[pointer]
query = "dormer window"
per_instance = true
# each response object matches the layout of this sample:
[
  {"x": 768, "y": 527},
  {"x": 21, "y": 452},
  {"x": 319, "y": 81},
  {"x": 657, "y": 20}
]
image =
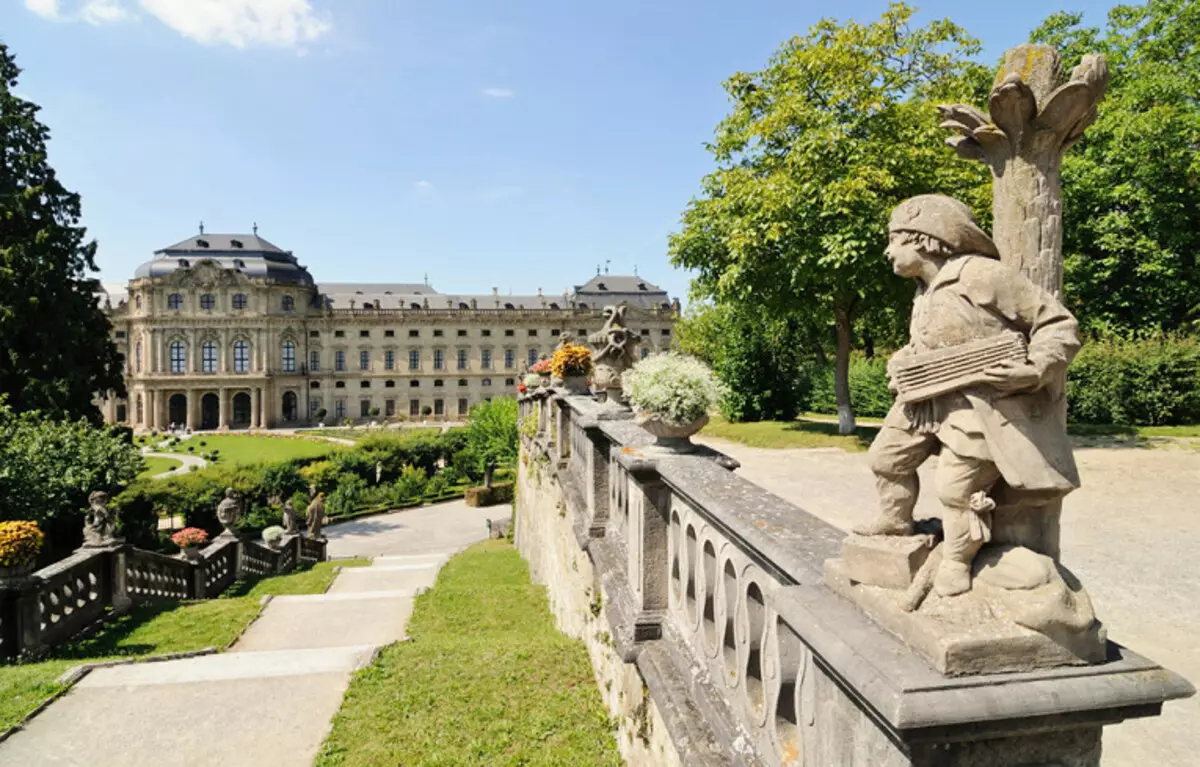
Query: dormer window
[
  {"x": 602, "y": 286},
  {"x": 208, "y": 302},
  {"x": 201, "y": 243},
  {"x": 461, "y": 305},
  {"x": 554, "y": 306},
  {"x": 239, "y": 301},
  {"x": 237, "y": 244},
  {"x": 509, "y": 306},
  {"x": 288, "y": 303},
  {"x": 239, "y": 263},
  {"x": 642, "y": 286},
  {"x": 175, "y": 301},
  {"x": 183, "y": 262},
  {"x": 414, "y": 305}
]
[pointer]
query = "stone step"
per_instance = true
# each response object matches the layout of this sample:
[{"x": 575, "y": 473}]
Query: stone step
[
  {"x": 391, "y": 560},
  {"x": 385, "y": 578},
  {"x": 224, "y": 667},
  {"x": 329, "y": 620}
]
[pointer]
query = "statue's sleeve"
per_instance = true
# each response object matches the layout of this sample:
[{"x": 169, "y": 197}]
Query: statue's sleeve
[{"x": 1051, "y": 329}]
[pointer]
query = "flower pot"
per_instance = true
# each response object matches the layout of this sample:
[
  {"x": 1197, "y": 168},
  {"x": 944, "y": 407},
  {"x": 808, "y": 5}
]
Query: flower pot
[
  {"x": 191, "y": 553},
  {"x": 273, "y": 543},
  {"x": 16, "y": 571},
  {"x": 668, "y": 435},
  {"x": 576, "y": 384}
]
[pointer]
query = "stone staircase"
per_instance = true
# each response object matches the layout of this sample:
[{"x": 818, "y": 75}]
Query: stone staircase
[{"x": 267, "y": 701}]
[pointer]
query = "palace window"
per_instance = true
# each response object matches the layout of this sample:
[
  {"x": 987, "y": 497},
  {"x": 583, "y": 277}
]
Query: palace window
[
  {"x": 137, "y": 302},
  {"x": 208, "y": 357},
  {"x": 462, "y": 382},
  {"x": 485, "y": 333},
  {"x": 486, "y": 382},
  {"x": 438, "y": 382},
  {"x": 241, "y": 356},
  {"x": 339, "y": 409},
  {"x": 533, "y": 357},
  {"x": 437, "y": 334},
  {"x": 463, "y": 405},
  {"x": 288, "y": 303},
  {"x": 510, "y": 382},
  {"x": 289, "y": 356},
  {"x": 364, "y": 360},
  {"x": 414, "y": 360},
  {"x": 314, "y": 404},
  {"x": 339, "y": 361},
  {"x": 509, "y": 333},
  {"x": 439, "y": 359},
  {"x": 413, "y": 384},
  {"x": 208, "y": 302},
  {"x": 439, "y": 407},
  {"x": 314, "y": 361},
  {"x": 239, "y": 301},
  {"x": 414, "y": 334},
  {"x": 389, "y": 360},
  {"x": 533, "y": 332},
  {"x": 462, "y": 359},
  {"x": 510, "y": 358},
  {"x": 389, "y": 334},
  {"x": 175, "y": 301},
  {"x": 137, "y": 360},
  {"x": 178, "y": 357},
  {"x": 485, "y": 359},
  {"x": 389, "y": 407},
  {"x": 414, "y": 407},
  {"x": 462, "y": 334},
  {"x": 645, "y": 352},
  {"x": 364, "y": 334}
]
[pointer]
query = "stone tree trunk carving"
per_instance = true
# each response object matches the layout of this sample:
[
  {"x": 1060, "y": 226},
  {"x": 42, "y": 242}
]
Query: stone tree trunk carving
[{"x": 1032, "y": 121}]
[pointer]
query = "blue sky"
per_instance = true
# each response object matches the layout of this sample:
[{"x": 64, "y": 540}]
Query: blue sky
[{"x": 514, "y": 145}]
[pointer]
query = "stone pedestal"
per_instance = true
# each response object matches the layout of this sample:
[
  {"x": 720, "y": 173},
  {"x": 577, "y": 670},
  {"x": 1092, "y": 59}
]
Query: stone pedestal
[{"x": 888, "y": 561}]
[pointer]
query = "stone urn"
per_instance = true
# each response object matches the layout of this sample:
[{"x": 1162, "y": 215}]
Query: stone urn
[
  {"x": 191, "y": 553},
  {"x": 576, "y": 384},
  {"x": 668, "y": 435}
]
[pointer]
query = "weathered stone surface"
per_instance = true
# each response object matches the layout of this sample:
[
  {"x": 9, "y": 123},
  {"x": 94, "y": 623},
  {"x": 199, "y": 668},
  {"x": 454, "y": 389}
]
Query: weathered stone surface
[{"x": 888, "y": 561}]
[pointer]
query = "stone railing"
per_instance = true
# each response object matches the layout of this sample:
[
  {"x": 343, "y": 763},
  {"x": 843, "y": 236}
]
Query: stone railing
[
  {"x": 56, "y": 603},
  {"x": 701, "y": 598}
]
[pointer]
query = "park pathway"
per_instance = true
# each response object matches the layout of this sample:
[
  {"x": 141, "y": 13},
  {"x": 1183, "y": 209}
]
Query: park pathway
[{"x": 269, "y": 699}]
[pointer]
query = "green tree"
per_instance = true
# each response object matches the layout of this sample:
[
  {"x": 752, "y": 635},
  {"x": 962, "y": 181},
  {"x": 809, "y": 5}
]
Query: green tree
[
  {"x": 492, "y": 433},
  {"x": 818, "y": 148},
  {"x": 49, "y": 466},
  {"x": 1131, "y": 188},
  {"x": 57, "y": 353}
]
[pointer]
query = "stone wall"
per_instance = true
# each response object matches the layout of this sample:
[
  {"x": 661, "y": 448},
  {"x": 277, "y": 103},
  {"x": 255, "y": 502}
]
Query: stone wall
[{"x": 702, "y": 601}]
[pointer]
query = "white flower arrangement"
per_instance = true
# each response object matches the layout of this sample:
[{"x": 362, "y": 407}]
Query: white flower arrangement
[
  {"x": 273, "y": 535},
  {"x": 677, "y": 388},
  {"x": 532, "y": 380}
]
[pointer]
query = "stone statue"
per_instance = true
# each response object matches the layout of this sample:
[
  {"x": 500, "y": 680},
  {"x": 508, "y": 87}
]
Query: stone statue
[
  {"x": 99, "y": 524},
  {"x": 316, "y": 516},
  {"x": 229, "y": 511},
  {"x": 980, "y": 385},
  {"x": 612, "y": 353},
  {"x": 290, "y": 522}
]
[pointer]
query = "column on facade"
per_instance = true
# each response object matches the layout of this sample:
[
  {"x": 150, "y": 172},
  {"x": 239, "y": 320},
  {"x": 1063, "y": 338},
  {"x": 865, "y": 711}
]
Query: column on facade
[
  {"x": 259, "y": 356},
  {"x": 254, "y": 406},
  {"x": 193, "y": 407},
  {"x": 223, "y": 409},
  {"x": 150, "y": 413},
  {"x": 152, "y": 352},
  {"x": 225, "y": 351},
  {"x": 269, "y": 405}
]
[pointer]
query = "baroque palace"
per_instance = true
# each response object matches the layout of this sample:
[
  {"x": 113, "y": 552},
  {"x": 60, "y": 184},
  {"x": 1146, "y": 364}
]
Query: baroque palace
[{"x": 229, "y": 331}]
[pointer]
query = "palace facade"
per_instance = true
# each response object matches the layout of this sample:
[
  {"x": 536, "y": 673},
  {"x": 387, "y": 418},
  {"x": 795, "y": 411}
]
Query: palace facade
[{"x": 224, "y": 331}]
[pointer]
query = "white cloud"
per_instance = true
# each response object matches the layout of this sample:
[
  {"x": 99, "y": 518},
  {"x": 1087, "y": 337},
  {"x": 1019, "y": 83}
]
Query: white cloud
[
  {"x": 499, "y": 93},
  {"x": 423, "y": 185},
  {"x": 241, "y": 23},
  {"x": 238, "y": 23},
  {"x": 47, "y": 9},
  {"x": 97, "y": 12}
]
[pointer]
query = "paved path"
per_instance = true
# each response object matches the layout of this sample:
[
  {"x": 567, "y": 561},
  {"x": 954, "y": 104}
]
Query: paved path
[
  {"x": 187, "y": 461},
  {"x": 268, "y": 701},
  {"x": 1131, "y": 534}
]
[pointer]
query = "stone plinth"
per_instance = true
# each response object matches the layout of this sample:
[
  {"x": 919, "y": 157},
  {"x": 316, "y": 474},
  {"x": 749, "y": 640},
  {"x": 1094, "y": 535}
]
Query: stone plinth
[{"x": 888, "y": 561}]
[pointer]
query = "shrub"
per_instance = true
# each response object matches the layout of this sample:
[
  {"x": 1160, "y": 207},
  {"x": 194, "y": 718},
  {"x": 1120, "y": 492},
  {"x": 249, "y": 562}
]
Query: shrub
[
  {"x": 203, "y": 443},
  {"x": 437, "y": 485},
  {"x": 137, "y": 514},
  {"x": 426, "y": 410},
  {"x": 349, "y": 493},
  {"x": 1153, "y": 381},
  {"x": 189, "y": 537},
  {"x": 491, "y": 438},
  {"x": 868, "y": 387},
  {"x": 499, "y": 492},
  {"x": 320, "y": 474},
  {"x": 571, "y": 360},
  {"x": 373, "y": 412},
  {"x": 191, "y": 448},
  {"x": 677, "y": 388},
  {"x": 412, "y": 482},
  {"x": 20, "y": 542},
  {"x": 321, "y": 413},
  {"x": 281, "y": 480}
]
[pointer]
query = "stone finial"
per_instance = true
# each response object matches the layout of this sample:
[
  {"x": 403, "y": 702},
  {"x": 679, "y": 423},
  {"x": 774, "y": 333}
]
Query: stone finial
[
  {"x": 229, "y": 512},
  {"x": 99, "y": 524},
  {"x": 612, "y": 353}
]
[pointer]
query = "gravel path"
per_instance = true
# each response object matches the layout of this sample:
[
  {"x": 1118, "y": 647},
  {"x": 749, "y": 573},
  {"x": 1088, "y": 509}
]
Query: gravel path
[{"x": 1131, "y": 534}]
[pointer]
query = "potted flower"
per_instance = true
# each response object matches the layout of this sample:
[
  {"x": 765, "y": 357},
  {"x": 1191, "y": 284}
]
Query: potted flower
[
  {"x": 572, "y": 363},
  {"x": 20, "y": 542},
  {"x": 541, "y": 369},
  {"x": 522, "y": 388},
  {"x": 273, "y": 536},
  {"x": 531, "y": 381},
  {"x": 671, "y": 394},
  {"x": 189, "y": 540}
]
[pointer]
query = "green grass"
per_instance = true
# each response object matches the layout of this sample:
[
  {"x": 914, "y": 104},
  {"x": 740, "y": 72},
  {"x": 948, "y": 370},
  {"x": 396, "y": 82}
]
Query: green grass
[
  {"x": 801, "y": 433},
  {"x": 354, "y": 435},
  {"x": 246, "y": 449},
  {"x": 155, "y": 628},
  {"x": 486, "y": 679},
  {"x": 156, "y": 466}
]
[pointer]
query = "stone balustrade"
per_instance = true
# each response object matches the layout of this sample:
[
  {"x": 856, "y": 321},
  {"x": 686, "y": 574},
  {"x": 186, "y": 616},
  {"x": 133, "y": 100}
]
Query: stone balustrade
[
  {"x": 57, "y": 603},
  {"x": 702, "y": 601}
]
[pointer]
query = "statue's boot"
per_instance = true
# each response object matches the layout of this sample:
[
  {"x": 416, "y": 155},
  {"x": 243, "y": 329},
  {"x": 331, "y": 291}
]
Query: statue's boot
[
  {"x": 952, "y": 578},
  {"x": 885, "y": 524},
  {"x": 959, "y": 548}
]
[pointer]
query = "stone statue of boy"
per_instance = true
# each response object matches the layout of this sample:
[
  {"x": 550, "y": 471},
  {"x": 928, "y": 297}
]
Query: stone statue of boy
[
  {"x": 99, "y": 524},
  {"x": 612, "y": 352},
  {"x": 1002, "y": 442},
  {"x": 316, "y": 516},
  {"x": 229, "y": 511}
]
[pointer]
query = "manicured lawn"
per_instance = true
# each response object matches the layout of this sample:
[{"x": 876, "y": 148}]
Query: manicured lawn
[
  {"x": 156, "y": 466},
  {"x": 801, "y": 433},
  {"x": 155, "y": 629},
  {"x": 355, "y": 435},
  {"x": 245, "y": 448},
  {"x": 486, "y": 679}
]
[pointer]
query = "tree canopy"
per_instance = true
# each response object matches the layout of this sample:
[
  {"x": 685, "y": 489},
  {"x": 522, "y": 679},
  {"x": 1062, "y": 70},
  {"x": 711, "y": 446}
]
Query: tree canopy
[
  {"x": 1131, "y": 187},
  {"x": 56, "y": 351},
  {"x": 816, "y": 151}
]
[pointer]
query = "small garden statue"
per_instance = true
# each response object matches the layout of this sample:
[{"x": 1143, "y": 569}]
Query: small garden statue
[
  {"x": 612, "y": 353},
  {"x": 316, "y": 516},
  {"x": 99, "y": 524},
  {"x": 290, "y": 522},
  {"x": 229, "y": 511}
]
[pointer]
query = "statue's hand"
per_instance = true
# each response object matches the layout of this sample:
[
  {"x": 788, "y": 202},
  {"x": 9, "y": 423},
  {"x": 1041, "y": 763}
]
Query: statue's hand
[{"x": 1012, "y": 376}]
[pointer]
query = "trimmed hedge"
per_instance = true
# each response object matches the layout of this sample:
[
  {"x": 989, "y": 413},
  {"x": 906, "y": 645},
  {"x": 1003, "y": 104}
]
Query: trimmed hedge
[{"x": 499, "y": 492}]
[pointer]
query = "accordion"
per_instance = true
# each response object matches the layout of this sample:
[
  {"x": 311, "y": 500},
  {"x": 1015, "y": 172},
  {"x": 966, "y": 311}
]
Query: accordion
[{"x": 931, "y": 374}]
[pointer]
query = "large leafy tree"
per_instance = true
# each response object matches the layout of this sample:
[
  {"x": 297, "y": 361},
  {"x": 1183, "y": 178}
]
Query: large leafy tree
[
  {"x": 1131, "y": 188},
  {"x": 55, "y": 350},
  {"x": 817, "y": 149}
]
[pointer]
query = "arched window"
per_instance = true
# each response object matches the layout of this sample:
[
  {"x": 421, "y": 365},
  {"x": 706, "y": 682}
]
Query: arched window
[
  {"x": 288, "y": 303},
  {"x": 509, "y": 306},
  {"x": 461, "y": 305},
  {"x": 175, "y": 301},
  {"x": 462, "y": 382},
  {"x": 178, "y": 357},
  {"x": 208, "y": 302},
  {"x": 239, "y": 301},
  {"x": 208, "y": 357},
  {"x": 137, "y": 357},
  {"x": 289, "y": 356},
  {"x": 241, "y": 356},
  {"x": 137, "y": 301}
]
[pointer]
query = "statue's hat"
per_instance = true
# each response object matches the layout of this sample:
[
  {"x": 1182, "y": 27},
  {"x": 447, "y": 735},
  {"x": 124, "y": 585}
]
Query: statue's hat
[{"x": 943, "y": 218}]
